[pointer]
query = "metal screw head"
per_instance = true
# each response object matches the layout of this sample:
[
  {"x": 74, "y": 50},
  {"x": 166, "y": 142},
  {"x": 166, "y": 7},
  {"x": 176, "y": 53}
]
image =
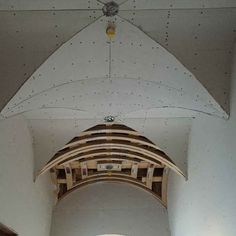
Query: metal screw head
[{"x": 110, "y": 9}]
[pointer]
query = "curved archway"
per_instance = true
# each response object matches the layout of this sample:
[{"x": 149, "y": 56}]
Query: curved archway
[
  {"x": 109, "y": 207},
  {"x": 111, "y": 152},
  {"x": 120, "y": 178}
]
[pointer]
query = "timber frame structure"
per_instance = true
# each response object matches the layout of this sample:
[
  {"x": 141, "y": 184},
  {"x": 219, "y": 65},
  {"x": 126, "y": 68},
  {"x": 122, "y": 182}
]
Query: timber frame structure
[{"x": 111, "y": 152}]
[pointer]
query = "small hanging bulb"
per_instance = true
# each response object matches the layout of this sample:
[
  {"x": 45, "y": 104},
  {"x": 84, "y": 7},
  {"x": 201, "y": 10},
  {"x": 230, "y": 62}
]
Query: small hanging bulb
[{"x": 111, "y": 30}]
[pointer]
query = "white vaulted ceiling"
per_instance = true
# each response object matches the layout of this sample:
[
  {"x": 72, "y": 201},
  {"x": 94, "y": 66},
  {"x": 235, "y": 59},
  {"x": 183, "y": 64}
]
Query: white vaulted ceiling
[
  {"x": 203, "y": 45},
  {"x": 94, "y": 77},
  {"x": 168, "y": 59},
  {"x": 168, "y": 62}
]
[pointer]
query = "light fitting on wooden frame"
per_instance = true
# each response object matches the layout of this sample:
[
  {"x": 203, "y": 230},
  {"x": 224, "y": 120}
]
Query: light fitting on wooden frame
[{"x": 111, "y": 152}]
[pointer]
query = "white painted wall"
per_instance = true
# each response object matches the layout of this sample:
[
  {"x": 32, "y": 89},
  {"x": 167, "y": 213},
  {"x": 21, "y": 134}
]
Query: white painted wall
[
  {"x": 110, "y": 208},
  {"x": 206, "y": 204},
  {"x": 25, "y": 206}
]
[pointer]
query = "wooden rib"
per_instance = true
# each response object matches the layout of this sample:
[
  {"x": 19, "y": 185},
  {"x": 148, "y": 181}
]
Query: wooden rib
[
  {"x": 134, "y": 170},
  {"x": 69, "y": 178},
  {"x": 71, "y": 151},
  {"x": 150, "y": 172},
  {"x": 108, "y": 152},
  {"x": 53, "y": 174},
  {"x": 111, "y": 137},
  {"x": 61, "y": 181},
  {"x": 115, "y": 154},
  {"x": 128, "y": 162},
  {"x": 154, "y": 179},
  {"x": 164, "y": 185},
  {"x": 84, "y": 170},
  {"x": 112, "y": 178},
  {"x": 108, "y": 131},
  {"x": 112, "y": 145},
  {"x": 112, "y": 126},
  {"x": 108, "y": 144}
]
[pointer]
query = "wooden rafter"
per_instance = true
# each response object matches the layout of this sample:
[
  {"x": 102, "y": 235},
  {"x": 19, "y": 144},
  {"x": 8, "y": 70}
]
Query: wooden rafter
[
  {"x": 112, "y": 145},
  {"x": 111, "y": 152}
]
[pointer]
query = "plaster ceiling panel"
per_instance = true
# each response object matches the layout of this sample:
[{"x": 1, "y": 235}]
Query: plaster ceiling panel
[
  {"x": 205, "y": 42},
  {"x": 91, "y": 74},
  {"x": 204, "y": 29},
  {"x": 135, "y": 55},
  {"x": 54, "y": 113},
  {"x": 101, "y": 97},
  {"x": 97, "y": 4},
  {"x": 213, "y": 69},
  {"x": 49, "y": 4},
  {"x": 161, "y": 112},
  {"x": 84, "y": 56},
  {"x": 29, "y": 38},
  {"x": 200, "y": 29},
  {"x": 172, "y": 4}
]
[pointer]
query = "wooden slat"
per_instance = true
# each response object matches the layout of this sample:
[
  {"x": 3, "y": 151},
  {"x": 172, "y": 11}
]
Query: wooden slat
[
  {"x": 134, "y": 170},
  {"x": 164, "y": 185},
  {"x": 69, "y": 178},
  {"x": 53, "y": 174},
  {"x": 92, "y": 163},
  {"x": 84, "y": 170},
  {"x": 154, "y": 179},
  {"x": 150, "y": 172},
  {"x": 61, "y": 181}
]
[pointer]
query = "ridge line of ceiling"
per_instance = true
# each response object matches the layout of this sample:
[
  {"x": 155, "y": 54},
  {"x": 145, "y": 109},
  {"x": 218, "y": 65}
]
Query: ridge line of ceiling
[{"x": 121, "y": 10}]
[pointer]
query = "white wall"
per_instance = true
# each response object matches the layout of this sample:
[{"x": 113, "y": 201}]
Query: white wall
[
  {"x": 25, "y": 206},
  {"x": 206, "y": 204},
  {"x": 110, "y": 208}
]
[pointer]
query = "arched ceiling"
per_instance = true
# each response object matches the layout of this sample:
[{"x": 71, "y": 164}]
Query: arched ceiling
[
  {"x": 111, "y": 152},
  {"x": 171, "y": 135},
  {"x": 206, "y": 50},
  {"x": 92, "y": 76}
]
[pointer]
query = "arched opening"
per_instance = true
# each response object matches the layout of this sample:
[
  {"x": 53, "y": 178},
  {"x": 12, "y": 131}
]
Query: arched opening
[
  {"x": 111, "y": 152},
  {"x": 104, "y": 208}
]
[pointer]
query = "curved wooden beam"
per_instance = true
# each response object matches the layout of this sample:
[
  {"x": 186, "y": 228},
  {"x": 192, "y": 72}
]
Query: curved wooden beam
[
  {"x": 112, "y": 145},
  {"x": 112, "y": 156},
  {"x": 146, "y": 146},
  {"x": 112, "y": 178},
  {"x": 70, "y": 151},
  {"x": 112, "y": 136},
  {"x": 107, "y": 154},
  {"x": 100, "y": 151}
]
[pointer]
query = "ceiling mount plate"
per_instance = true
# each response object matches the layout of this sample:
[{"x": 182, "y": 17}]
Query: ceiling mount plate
[
  {"x": 110, "y": 9},
  {"x": 109, "y": 119}
]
